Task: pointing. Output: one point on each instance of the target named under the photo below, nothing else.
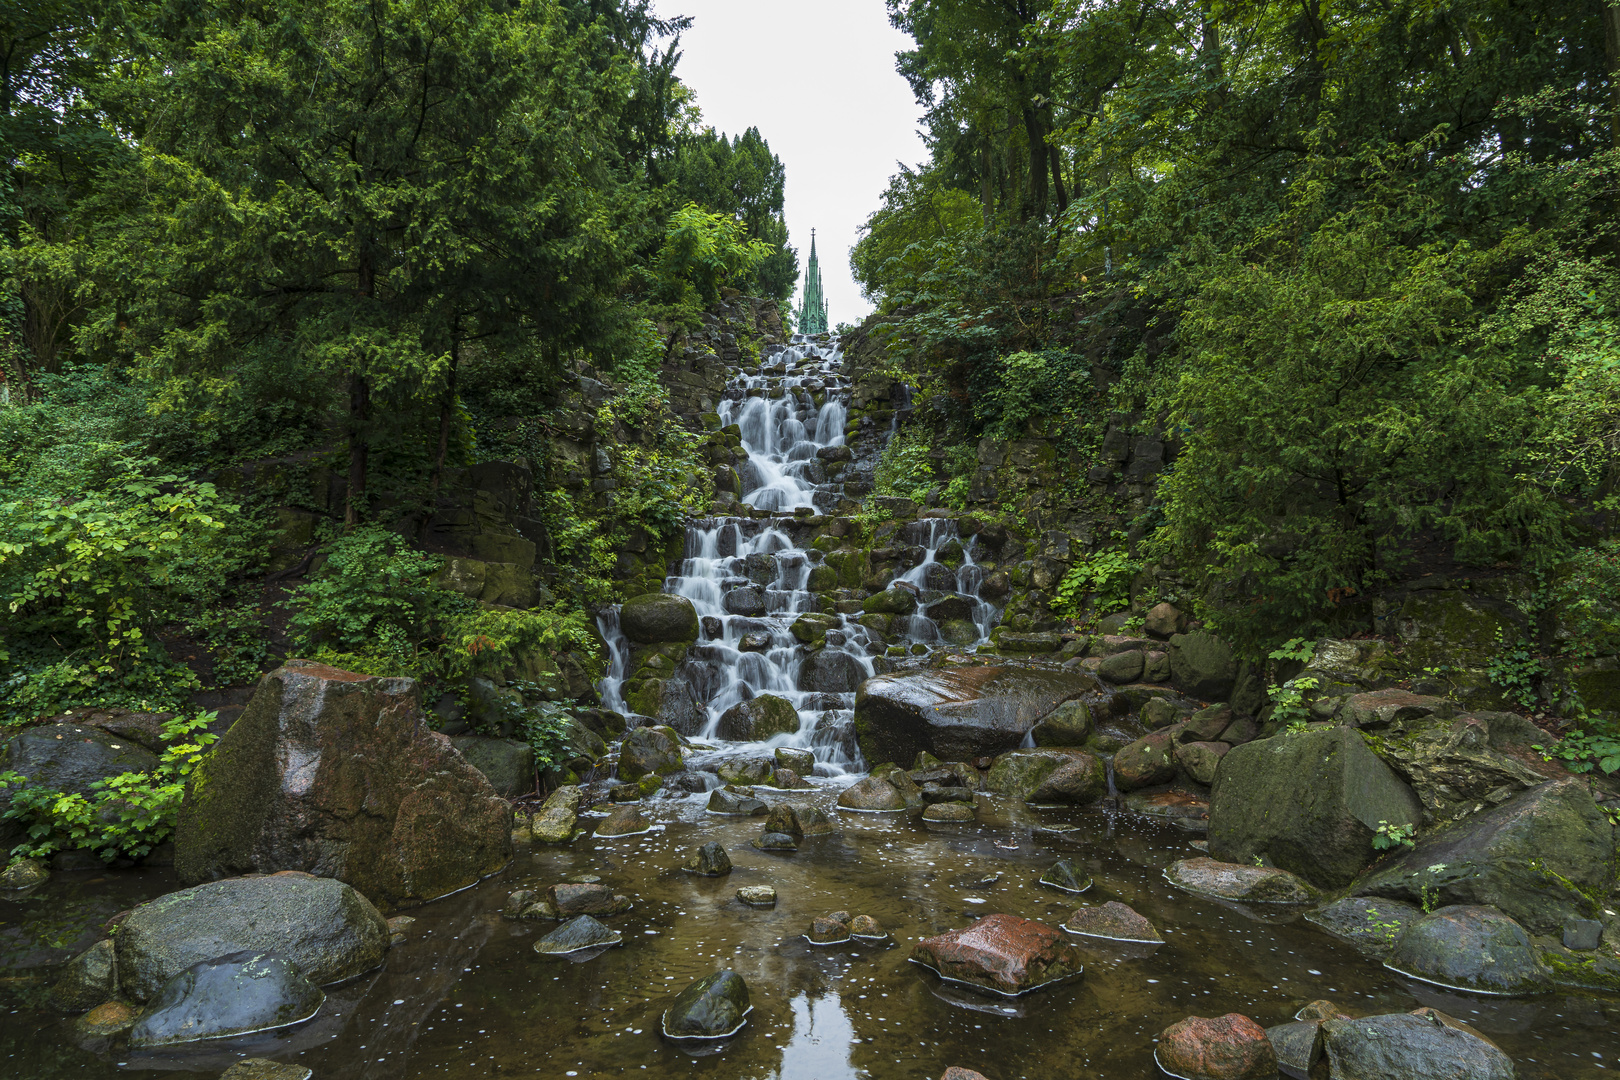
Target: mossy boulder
(650, 751)
(758, 718)
(1148, 761)
(1069, 724)
(1308, 803)
(507, 764)
(1203, 666)
(654, 618)
(1049, 774)
(1401, 1045)
(1468, 947)
(893, 601)
(1543, 857)
(812, 627)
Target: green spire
(813, 308)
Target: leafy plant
(1388, 836)
(372, 595)
(1104, 576)
(1515, 669)
(1300, 649)
(1429, 893)
(905, 470)
(1580, 751)
(1386, 928)
(126, 815)
(1288, 703)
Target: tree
(742, 178)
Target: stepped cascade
(748, 573)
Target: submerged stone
(1000, 953)
(1231, 881)
(571, 899)
(1230, 1047)
(265, 1069)
(950, 811)
(576, 935)
(1065, 875)
(710, 860)
(776, 841)
(711, 1008)
(106, 1020)
(757, 895)
(1113, 921)
(234, 994)
(1470, 948)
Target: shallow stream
(467, 997)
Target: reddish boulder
(1000, 953)
(337, 774)
(1230, 1047)
(956, 1072)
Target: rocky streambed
(463, 993)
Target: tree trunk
(1611, 49)
(1057, 178)
(1037, 162)
(359, 413)
(448, 405)
(987, 192)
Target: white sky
(818, 80)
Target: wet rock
(864, 926)
(1000, 953)
(872, 793)
(624, 821)
(814, 821)
(1372, 924)
(802, 762)
(935, 792)
(1470, 948)
(1298, 1046)
(558, 816)
(831, 671)
(1113, 921)
(1067, 876)
(691, 783)
(1180, 806)
(710, 860)
(722, 801)
(571, 898)
(758, 718)
(776, 841)
(711, 1008)
(70, 758)
(956, 1072)
(757, 895)
(828, 930)
(507, 764)
(1230, 881)
(397, 926)
(1308, 803)
(951, 609)
(1202, 665)
(909, 790)
(1045, 641)
(754, 641)
(1201, 759)
(788, 780)
(654, 618)
(337, 772)
(893, 601)
(1147, 761)
(576, 935)
(516, 901)
(1323, 1009)
(959, 713)
(784, 819)
(1459, 765)
(950, 811)
(624, 793)
(812, 626)
(1230, 1047)
(325, 927)
(1582, 935)
(1069, 724)
(1121, 667)
(229, 995)
(1536, 858)
(745, 771)
(1401, 1046)
(24, 874)
(89, 979)
(1382, 708)
(265, 1069)
(106, 1020)
(1050, 774)
(1164, 620)
(648, 751)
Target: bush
(1104, 577)
(905, 470)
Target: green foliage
(1297, 649)
(1388, 836)
(1586, 598)
(1580, 751)
(125, 816)
(373, 595)
(961, 463)
(700, 253)
(743, 179)
(905, 469)
(1516, 670)
(492, 642)
(917, 212)
(1104, 577)
(1288, 705)
(1032, 385)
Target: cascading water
(748, 578)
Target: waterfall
(748, 578)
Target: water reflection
(818, 1049)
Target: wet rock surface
(1112, 921)
(872, 793)
(571, 898)
(577, 935)
(1230, 1047)
(229, 995)
(1372, 924)
(710, 860)
(88, 980)
(323, 926)
(1049, 775)
(1068, 876)
(1000, 953)
(623, 821)
(265, 1069)
(1470, 948)
(1231, 881)
(1402, 1046)
(337, 774)
(711, 1008)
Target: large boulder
(650, 751)
(236, 994)
(507, 764)
(1470, 948)
(338, 774)
(1049, 774)
(1001, 953)
(831, 671)
(1202, 665)
(671, 701)
(654, 618)
(1541, 858)
(874, 793)
(1148, 761)
(758, 718)
(1069, 724)
(325, 927)
(558, 816)
(1459, 764)
(892, 601)
(1401, 1046)
(958, 714)
(1308, 803)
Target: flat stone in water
(1370, 923)
(1113, 921)
(711, 1008)
(265, 1069)
(710, 860)
(757, 895)
(105, 1020)
(1472, 948)
(570, 900)
(1002, 954)
(1232, 881)
(231, 995)
(1176, 805)
(950, 811)
(627, 820)
(576, 935)
(24, 874)
(776, 841)
(1065, 875)
(722, 801)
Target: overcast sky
(818, 80)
